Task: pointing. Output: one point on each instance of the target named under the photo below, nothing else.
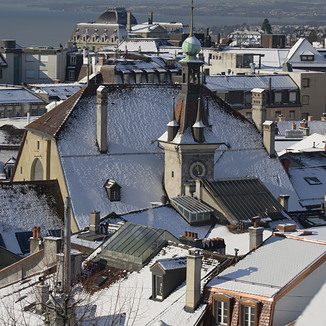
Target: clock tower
(189, 144)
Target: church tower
(189, 145)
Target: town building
(32, 65)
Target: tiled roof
(51, 122)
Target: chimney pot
(294, 126)
(310, 118)
(38, 232)
(323, 117)
(34, 231)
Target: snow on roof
(10, 95)
(234, 240)
(141, 28)
(62, 91)
(303, 46)
(269, 268)
(309, 183)
(318, 234)
(137, 116)
(173, 263)
(24, 205)
(167, 219)
(313, 143)
(316, 126)
(136, 290)
(255, 162)
(147, 45)
(247, 83)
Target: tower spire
(192, 18)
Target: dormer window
(307, 56)
(113, 190)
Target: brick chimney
(323, 117)
(35, 242)
(281, 117)
(194, 262)
(304, 127)
(255, 234)
(310, 118)
(293, 126)
(102, 116)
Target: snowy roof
(147, 45)
(168, 219)
(304, 47)
(247, 83)
(170, 311)
(26, 204)
(173, 263)
(137, 116)
(14, 95)
(142, 28)
(316, 126)
(60, 91)
(313, 143)
(271, 267)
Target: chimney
(269, 137)
(194, 262)
(255, 234)
(128, 21)
(304, 127)
(102, 117)
(94, 222)
(258, 107)
(323, 117)
(41, 296)
(310, 118)
(35, 242)
(293, 126)
(281, 117)
(324, 205)
(284, 201)
(198, 192)
(198, 127)
(150, 18)
(101, 60)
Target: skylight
(313, 181)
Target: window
(249, 312)
(73, 60)
(307, 57)
(248, 98)
(278, 97)
(115, 194)
(305, 99)
(292, 97)
(38, 146)
(71, 75)
(44, 58)
(248, 316)
(113, 190)
(221, 313)
(292, 115)
(29, 73)
(29, 58)
(158, 286)
(305, 82)
(277, 114)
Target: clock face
(197, 170)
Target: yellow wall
(44, 148)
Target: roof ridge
(51, 122)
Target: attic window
(313, 181)
(113, 190)
(307, 57)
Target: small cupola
(198, 126)
(173, 126)
(113, 190)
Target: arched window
(37, 170)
